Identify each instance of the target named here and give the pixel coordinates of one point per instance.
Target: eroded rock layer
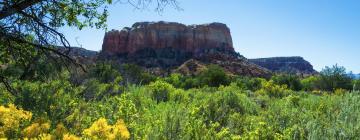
(168, 45)
(160, 35)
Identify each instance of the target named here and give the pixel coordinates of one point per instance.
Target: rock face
(164, 35)
(294, 65)
(168, 45)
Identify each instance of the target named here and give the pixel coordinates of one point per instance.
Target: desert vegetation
(109, 102)
(134, 89)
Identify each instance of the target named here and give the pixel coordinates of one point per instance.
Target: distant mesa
(295, 65)
(168, 45)
(165, 47)
(193, 39)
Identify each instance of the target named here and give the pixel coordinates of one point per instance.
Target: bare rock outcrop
(159, 35)
(168, 45)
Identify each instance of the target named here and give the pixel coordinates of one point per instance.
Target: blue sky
(324, 32)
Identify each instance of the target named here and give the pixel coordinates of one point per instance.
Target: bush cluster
(212, 105)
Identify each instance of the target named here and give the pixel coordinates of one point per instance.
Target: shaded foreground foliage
(104, 105)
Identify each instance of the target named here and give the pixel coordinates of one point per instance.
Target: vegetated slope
(81, 55)
(161, 111)
(294, 65)
(167, 45)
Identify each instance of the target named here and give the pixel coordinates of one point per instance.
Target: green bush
(356, 85)
(273, 90)
(175, 79)
(310, 83)
(104, 72)
(213, 76)
(247, 108)
(291, 81)
(160, 90)
(134, 74)
(248, 83)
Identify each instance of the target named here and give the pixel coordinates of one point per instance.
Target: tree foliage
(334, 77)
(30, 29)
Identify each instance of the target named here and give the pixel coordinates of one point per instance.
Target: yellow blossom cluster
(40, 131)
(36, 129)
(70, 137)
(11, 117)
(100, 129)
(60, 130)
(120, 129)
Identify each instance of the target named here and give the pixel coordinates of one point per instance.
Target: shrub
(96, 90)
(261, 130)
(249, 83)
(175, 79)
(340, 91)
(70, 137)
(100, 129)
(11, 119)
(272, 90)
(36, 130)
(310, 83)
(60, 131)
(104, 72)
(161, 90)
(134, 74)
(214, 76)
(190, 83)
(291, 81)
(356, 85)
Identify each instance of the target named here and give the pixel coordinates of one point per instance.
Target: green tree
(334, 77)
(30, 28)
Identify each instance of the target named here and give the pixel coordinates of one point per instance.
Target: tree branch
(7, 85)
(5, 12)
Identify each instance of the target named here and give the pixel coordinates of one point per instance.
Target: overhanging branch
(8, 11)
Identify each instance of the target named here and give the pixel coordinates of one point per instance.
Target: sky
(324, 32)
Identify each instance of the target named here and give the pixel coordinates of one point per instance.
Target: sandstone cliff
(168, 45)
(160, 35)
(294, 65)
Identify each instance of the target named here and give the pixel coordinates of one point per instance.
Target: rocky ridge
(293, 65)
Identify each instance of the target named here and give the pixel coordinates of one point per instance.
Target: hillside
(295, 65)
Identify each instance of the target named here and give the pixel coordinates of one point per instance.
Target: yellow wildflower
(35, 129)
(120, 130)
(46, 136)
(100, 129)
(60, 130)
(70, 137)
(11, 117)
